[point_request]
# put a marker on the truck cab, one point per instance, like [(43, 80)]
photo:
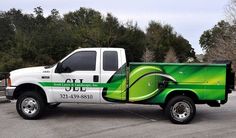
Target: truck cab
[(86, 65)]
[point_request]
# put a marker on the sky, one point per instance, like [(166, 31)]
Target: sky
[(190, 18)]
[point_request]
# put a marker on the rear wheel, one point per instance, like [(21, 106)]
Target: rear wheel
[(180, 109), (30, 105)]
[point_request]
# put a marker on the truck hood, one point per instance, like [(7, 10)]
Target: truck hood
[(29, 75), (27, 71)]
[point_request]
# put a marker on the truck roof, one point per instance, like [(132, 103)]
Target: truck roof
[(102, 48)]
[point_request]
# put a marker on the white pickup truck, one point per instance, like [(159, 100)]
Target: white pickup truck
[(101, 75)]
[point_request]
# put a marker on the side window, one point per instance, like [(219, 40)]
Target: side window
[(80, 61), (110, 61)]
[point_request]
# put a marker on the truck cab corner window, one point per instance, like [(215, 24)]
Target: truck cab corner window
[(110, 60)]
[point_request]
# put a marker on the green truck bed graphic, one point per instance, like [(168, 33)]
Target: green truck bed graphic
[(152, 82)]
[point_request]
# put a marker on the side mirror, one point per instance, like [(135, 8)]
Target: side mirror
[(59, 68)]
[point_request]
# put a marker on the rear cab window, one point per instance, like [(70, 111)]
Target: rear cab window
[(110, 60)]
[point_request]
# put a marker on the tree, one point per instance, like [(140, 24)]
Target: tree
[(219, 43), (6, 34), (132, 39), (171, 56), (93, 30), (208, 38), (231, 12), (148, 56), (38, 11), (35, 40), (160, 38)]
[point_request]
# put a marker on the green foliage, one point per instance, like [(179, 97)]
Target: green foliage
[(6, 34), (209, 37), (33, 39), (161, 38), (219, 43)]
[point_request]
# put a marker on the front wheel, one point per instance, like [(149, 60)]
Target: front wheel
[(30, 105), (180, 109)]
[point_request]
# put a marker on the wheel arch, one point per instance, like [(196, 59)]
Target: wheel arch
[(20, 89), (187, 93)]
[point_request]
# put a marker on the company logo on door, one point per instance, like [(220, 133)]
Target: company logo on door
[(74, 85)]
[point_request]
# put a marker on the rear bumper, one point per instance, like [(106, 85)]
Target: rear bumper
[(9, 92)]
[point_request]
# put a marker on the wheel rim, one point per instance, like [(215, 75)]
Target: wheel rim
[(29, 106), (181, 111)]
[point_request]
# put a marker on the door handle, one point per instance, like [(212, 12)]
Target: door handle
[(95, 78)]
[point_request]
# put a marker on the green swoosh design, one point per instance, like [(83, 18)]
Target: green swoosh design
[(143, 84)]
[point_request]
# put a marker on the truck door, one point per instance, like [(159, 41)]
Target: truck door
[(112, 75), (81, 70)]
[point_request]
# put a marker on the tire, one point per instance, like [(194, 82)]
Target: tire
[(180, 110), (30, 105), (53, 105)]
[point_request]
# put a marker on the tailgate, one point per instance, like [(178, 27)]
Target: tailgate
[(230, 81), (230, 78)]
